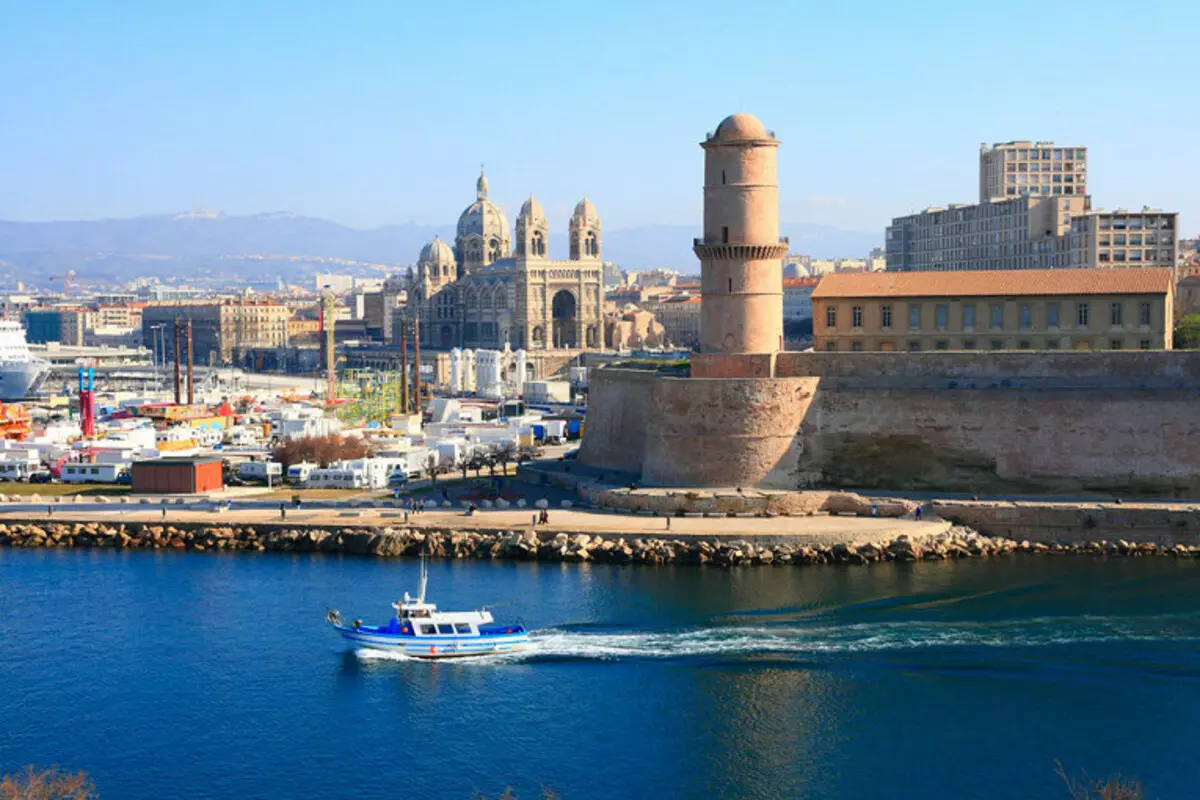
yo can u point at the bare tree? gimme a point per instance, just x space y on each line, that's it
47 784
506 453
324 450
1112 788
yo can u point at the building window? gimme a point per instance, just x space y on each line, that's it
941 313
1081 315
914 315
914 347
831 346
941 344
968 344
856 347
968 319
831 317
1025 317
885 316
725 235
1144 314
998 316
1024 344
887 347
1116 314
1052 344
1115 344
856 317
997 344
1144 344
1052 315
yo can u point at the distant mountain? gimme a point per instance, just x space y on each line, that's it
182 245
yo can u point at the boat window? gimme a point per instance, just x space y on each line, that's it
462 627
445 629
428 630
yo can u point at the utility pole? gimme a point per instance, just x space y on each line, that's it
328 312
191 372
177 388
417 362
404 364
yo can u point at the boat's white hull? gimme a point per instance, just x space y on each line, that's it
19 379
436 647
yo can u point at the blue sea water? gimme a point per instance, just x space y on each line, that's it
169 675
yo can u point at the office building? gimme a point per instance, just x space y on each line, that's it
1016 169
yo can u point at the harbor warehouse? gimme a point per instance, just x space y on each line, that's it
177 475
1036 309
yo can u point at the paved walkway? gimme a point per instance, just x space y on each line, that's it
817 529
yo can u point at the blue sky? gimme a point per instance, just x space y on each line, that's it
371 113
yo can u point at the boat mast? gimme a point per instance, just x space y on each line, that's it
424 580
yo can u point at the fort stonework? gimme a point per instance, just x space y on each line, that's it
752 416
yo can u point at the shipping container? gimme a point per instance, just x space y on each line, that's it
178 476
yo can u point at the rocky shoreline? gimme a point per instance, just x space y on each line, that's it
386 542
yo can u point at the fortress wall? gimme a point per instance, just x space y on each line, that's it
619 411
1034 441
726 432
1037 423
1009 369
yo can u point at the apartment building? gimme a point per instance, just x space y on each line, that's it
62 324
680 318
1054 309
1123 238
1014 169
797 298
219 329
1020 233
118 315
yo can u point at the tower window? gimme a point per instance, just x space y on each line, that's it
731 284
725 235
722 177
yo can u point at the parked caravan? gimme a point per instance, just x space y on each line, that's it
298 473
93 473
260 471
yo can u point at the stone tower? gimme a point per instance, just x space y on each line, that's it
741 268
584 232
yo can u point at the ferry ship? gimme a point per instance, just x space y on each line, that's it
21 372
419 630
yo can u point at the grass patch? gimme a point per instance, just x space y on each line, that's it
64 489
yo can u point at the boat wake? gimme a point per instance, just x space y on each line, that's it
799 641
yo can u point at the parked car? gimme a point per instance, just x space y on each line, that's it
125 479
397 480
41 477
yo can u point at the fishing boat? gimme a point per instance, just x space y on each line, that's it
419 630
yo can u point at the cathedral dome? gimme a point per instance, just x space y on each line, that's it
740 126
485 218
437 252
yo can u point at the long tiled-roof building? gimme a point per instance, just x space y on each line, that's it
1048 309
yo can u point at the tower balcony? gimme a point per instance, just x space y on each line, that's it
740 252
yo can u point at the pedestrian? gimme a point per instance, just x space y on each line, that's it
406 516
535 519
917 513
668 522
50 511
282 512
164 512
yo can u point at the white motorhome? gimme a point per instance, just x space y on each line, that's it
93 473
261 471
335 478
298 473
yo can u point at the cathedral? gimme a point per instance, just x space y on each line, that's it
488 290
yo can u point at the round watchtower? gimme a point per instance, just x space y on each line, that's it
741 268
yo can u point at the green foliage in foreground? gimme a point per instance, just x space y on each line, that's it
1187 333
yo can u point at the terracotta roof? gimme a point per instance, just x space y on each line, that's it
797 283
968 283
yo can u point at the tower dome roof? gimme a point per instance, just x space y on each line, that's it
532 208
741 126
585 209
437 252
483 216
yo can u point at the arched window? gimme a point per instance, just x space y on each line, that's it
493 250
537 244
485 300
591 336
591 245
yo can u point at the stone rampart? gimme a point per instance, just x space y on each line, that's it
1067 423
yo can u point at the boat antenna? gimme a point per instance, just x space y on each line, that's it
424 579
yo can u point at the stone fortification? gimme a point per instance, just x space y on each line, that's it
1123 422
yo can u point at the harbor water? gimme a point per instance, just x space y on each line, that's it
184 675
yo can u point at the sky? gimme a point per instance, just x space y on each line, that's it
375 113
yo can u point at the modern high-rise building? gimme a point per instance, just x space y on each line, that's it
1014 169
1033 213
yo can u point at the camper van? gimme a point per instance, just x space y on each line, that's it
93 473
335 478
261 471
298 473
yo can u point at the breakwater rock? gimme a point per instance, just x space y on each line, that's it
530 545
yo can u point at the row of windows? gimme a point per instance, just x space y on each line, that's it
914 346
1045 153
941 313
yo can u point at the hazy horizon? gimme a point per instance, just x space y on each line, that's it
377 114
